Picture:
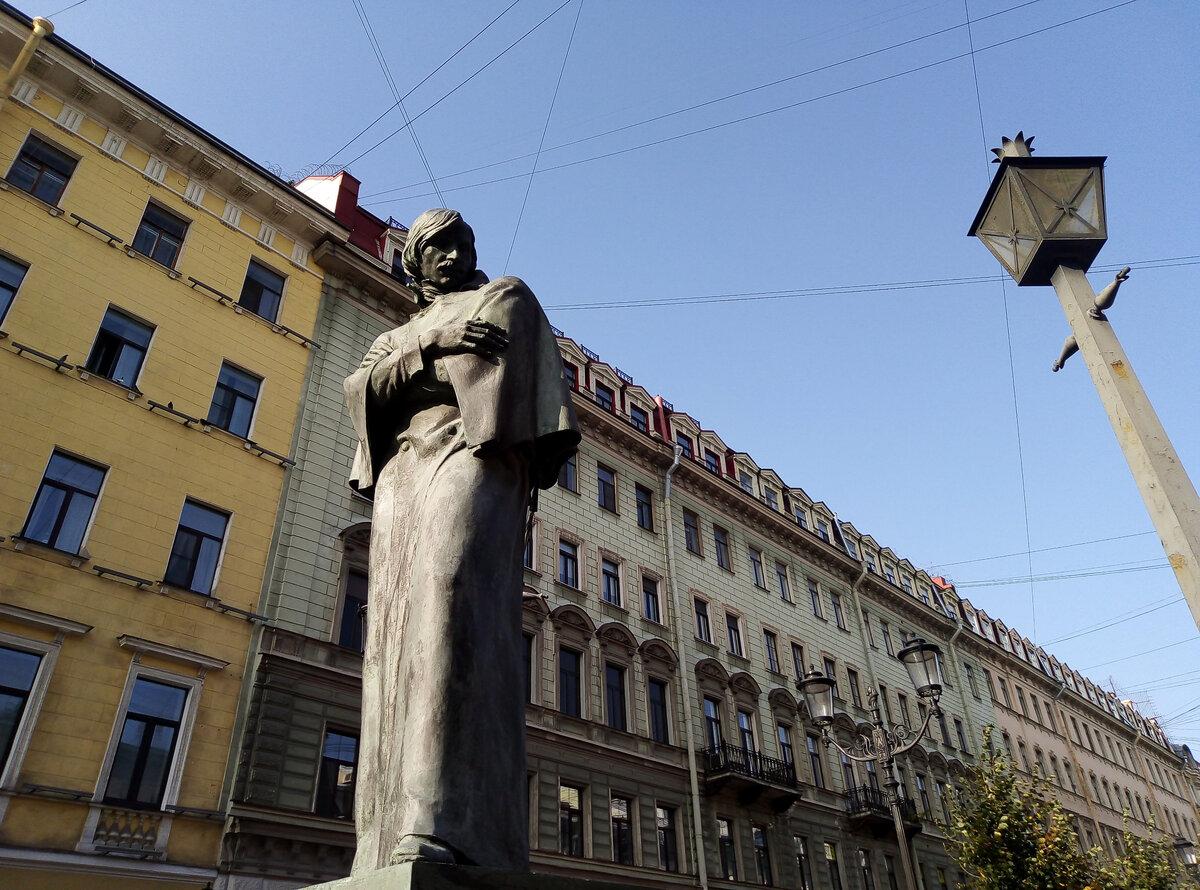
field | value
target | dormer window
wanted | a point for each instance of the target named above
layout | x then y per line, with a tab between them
746	482
572	374
639	418
605	397
685	443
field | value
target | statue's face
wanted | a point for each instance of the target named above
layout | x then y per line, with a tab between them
448	258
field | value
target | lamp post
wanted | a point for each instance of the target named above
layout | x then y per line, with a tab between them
1185	851
1044	220
885	743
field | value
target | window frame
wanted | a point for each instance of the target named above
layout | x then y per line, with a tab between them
576	689
644	502
11	298
216	574
627	837
611	593
733	634
568	473
758	573
145	351
668	837
652	718
344	599
283	280
178	251
703	620
567	563
570	819
616	696
782	578
771	647
64	508
54	148
47	652
652	595
317	793
238	396
691	532
721	546
606	488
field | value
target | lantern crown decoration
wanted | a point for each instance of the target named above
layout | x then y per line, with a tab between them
1042	213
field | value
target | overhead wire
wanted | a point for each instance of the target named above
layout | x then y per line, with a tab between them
464	82
1156	606
1156	649
542	141
1063	576
387	74
66	8
735	95
755	116
391	107
963	562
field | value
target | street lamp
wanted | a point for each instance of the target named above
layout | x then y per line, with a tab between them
885	743
1044	220
1185	850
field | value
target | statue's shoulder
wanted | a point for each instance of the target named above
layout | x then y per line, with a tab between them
508	282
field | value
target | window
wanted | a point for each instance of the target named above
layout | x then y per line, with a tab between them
656	704
712	462
889	573
160	235
197	548
120	348
838	617
721	544
605	397
745	482
335	776
872	775
855	692
941	719
650	604
889	868
864	866
803	866
746	732
18	670
42	170
65	501
784	734
568	563
822	530
569	665
771	498
610	581
814	761
712	723
798	660
568	476
772	647
850	548
870	563
12	274
529	560
572	375
733	626
756	568
885	704
866	623
943	803
606	482
1008	701
262	291
570	820
923	793
814	595
971	681
781	578
1021	701
691	531
848	781
962	735
233	400
728	850
941	876
639	418
352	625
762	855
905	714
831	859
645	507
614	696
802	518
622	830
685	443
703	626
831	672
146	747
668	856
530	645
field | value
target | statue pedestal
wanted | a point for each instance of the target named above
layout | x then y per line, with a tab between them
430	876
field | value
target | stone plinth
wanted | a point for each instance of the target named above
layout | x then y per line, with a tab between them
430	876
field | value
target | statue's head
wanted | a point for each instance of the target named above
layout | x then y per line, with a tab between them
439	255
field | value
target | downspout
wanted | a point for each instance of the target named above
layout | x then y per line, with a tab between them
1066	731
41	28
685	686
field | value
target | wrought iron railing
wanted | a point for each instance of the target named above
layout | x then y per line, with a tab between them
731	758
865	799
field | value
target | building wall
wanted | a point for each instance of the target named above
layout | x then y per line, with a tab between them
102	617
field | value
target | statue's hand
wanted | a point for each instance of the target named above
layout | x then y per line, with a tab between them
475	336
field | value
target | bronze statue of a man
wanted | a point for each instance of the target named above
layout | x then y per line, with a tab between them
461	414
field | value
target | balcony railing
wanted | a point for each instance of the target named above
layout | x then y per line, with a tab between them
734	759
866	800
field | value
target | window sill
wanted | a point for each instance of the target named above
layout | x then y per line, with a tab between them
130	392
54	554
739	658
170	271
52	209
708	644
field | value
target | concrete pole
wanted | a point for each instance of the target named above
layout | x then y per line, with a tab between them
1165	487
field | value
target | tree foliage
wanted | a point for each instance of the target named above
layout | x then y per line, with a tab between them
1011	833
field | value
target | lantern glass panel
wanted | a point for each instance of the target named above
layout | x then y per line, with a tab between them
1064	199
1009	229
818	697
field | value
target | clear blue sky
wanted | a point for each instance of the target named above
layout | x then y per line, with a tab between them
863	164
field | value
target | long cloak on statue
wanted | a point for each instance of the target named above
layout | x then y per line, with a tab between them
451	449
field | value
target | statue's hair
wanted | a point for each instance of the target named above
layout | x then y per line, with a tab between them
423	228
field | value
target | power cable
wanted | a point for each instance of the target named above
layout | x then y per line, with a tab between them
1063	576
463	83
770	111
387	74
388	110
963	562
668	114
1156	649
542	141
1158	605
65	9
841	290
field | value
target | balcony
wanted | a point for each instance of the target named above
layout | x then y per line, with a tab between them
750	775
868	809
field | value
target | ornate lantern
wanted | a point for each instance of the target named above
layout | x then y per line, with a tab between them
818	696
924	663
1042	213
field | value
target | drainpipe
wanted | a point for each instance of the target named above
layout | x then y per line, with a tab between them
1066	731
685	686
41	28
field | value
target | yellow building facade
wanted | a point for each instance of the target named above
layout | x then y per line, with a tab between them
157	299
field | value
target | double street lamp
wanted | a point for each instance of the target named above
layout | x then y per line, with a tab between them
885	742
